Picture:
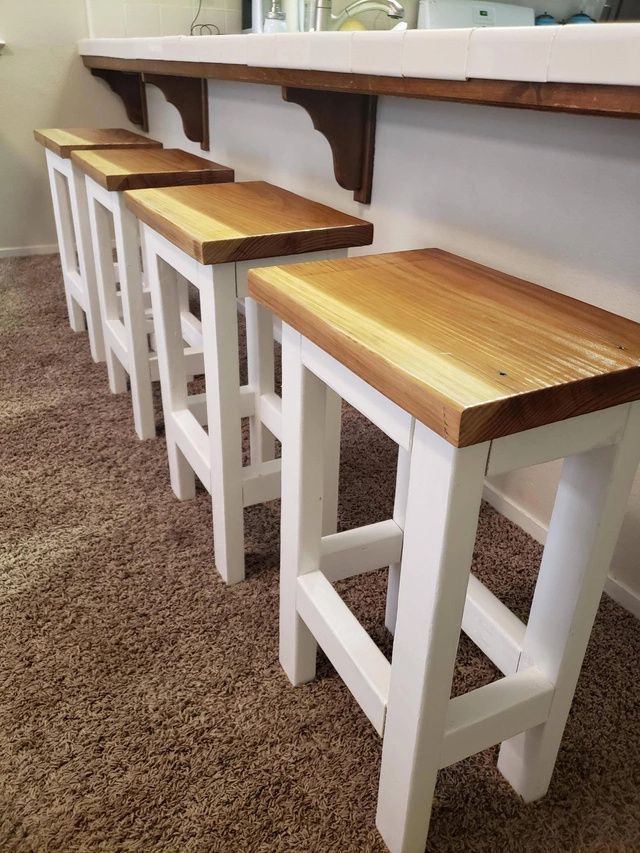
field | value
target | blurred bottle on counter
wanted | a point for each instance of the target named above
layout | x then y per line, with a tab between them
275	21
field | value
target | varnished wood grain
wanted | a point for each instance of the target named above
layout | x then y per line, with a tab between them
232	222
64	140
581	98
473	353
131	169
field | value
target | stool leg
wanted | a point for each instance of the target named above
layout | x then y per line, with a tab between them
304	404
99	218
191	326
399	513
128	249
331	477
222	377
78	196
66	243
171	364
260	369
585	524
445	489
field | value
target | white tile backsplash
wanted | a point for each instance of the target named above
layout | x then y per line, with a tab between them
140	18
106	19
143	19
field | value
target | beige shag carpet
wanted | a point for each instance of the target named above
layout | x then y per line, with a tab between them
142	706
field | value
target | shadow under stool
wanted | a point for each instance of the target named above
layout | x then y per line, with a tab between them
472	373
69	199
127	320
211	236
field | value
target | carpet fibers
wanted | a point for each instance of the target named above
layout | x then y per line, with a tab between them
142	706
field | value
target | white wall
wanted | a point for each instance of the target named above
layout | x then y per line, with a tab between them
42	84
549	197
120	18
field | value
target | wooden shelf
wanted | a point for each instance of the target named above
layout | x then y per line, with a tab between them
617	101
335	100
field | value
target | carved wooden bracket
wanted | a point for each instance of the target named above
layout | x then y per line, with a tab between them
129	87
189	95
348	122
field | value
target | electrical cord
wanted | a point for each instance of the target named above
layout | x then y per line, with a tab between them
202	29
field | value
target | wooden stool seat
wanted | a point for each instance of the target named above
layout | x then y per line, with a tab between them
62	141
244	221
472	353
133	169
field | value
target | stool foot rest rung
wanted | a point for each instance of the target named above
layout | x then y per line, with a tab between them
357	659
193	361
271	413
115	336
360	550
491	714
261	482
198	403
75	286
193	441
475	721
494	629
191	329
198	407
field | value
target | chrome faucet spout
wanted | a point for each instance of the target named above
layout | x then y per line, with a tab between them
325	20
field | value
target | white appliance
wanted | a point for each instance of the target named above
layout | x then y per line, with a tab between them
450	14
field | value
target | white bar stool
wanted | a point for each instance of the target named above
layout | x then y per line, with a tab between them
211	236
72	219
127	323
472	373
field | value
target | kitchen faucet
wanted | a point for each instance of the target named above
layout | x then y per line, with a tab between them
326	20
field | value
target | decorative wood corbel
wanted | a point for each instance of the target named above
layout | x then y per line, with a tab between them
130	89
189	95
348	122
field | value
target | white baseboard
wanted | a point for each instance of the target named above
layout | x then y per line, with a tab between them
516	513
624	595
617	589
28	251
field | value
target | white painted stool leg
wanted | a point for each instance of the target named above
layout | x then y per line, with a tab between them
260	370
399	514
587	515
171	364
128	250
331	477
79	208
445	489
222	376
100	220
303	443
66	243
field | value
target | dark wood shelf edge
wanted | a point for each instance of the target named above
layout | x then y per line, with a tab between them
579	98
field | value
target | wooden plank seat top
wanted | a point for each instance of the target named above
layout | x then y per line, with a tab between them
219	223
62	141
134	169
473	353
